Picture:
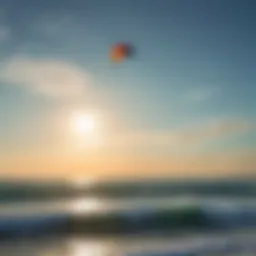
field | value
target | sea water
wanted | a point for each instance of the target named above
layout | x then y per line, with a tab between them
228	226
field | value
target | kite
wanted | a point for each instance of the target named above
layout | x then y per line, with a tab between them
120	52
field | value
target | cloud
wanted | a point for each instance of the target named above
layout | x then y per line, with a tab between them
182	138
51	78
121	158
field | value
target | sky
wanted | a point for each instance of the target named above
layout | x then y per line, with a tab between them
182	106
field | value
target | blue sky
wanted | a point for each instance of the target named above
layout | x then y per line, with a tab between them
194	67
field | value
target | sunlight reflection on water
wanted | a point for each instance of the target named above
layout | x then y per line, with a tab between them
90	205
81	248
117	246
81	206
120	246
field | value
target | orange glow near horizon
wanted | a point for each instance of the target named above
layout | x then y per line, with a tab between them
103	166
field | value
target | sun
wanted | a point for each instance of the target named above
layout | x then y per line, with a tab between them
85	129
83	123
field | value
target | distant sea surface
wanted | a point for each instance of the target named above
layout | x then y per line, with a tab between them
128	218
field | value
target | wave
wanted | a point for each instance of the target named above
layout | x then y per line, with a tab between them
141	220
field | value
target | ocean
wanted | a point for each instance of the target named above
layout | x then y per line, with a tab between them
190	218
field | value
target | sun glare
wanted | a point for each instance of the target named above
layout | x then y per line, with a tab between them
85	130
83	123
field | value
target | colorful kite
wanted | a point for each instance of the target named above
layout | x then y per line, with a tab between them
120	51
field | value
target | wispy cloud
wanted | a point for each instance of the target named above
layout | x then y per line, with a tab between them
182	138
117	160
51	78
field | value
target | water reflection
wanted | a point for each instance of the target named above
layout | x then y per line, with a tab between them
82	206
221	244
88	205
118	246
83	247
